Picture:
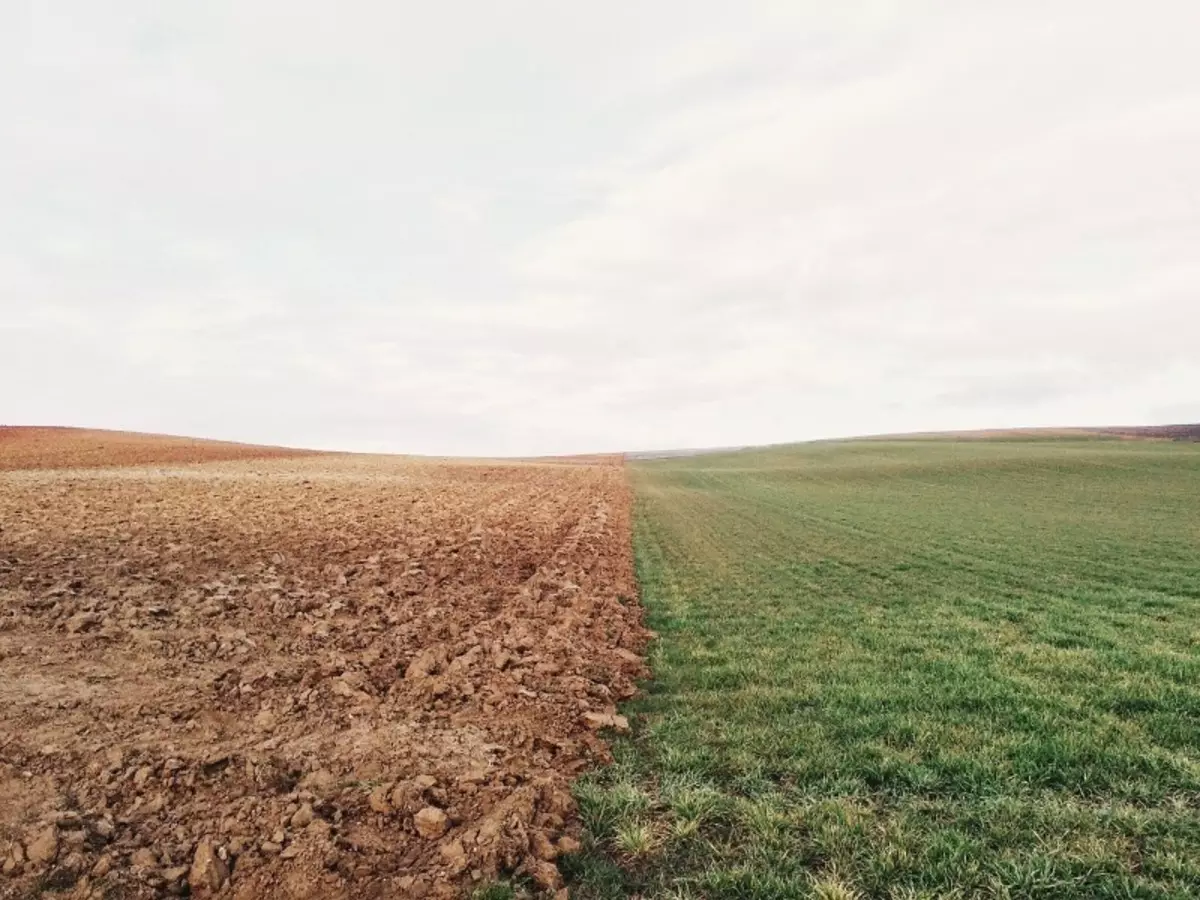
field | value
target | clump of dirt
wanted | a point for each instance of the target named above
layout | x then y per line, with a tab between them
81	448
329	676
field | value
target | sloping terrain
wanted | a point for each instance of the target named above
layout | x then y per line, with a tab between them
912	669
82	448
325	676
1128	432
1156	432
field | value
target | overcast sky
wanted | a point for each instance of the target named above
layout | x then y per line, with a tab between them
535	227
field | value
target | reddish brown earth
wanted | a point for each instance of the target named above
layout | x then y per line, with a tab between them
81	448
313	677
1156	432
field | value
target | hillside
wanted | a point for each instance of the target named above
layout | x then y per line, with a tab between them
1118	432
29	447
902	669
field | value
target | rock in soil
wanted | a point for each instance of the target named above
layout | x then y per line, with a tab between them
208	872
431	822
43	848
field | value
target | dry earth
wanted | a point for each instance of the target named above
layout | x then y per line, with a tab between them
1156	432
80	448
324	676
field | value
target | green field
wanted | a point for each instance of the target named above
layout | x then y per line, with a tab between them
912	669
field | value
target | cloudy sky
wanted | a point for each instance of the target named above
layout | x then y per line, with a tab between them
534	227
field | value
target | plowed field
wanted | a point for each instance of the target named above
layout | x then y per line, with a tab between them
81	448
324	676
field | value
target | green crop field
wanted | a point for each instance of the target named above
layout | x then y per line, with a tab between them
912	669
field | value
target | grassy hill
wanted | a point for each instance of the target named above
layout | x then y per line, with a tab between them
913	669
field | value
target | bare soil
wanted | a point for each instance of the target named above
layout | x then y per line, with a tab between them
1156	432
322	676
82	448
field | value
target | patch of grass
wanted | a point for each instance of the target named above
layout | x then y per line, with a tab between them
608	807
635	839
519	889
495	891
912	669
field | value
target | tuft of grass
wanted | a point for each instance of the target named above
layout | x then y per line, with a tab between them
608	806
832	888
912	669
635	839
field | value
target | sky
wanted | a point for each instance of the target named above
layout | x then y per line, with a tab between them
543	227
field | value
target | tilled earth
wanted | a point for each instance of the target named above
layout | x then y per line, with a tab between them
81	448
322	676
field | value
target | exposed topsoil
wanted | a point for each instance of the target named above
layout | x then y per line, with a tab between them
1156	432
327	676
81	448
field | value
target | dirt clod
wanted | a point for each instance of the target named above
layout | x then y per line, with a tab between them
596	721
208	871
43	848
546	875
431	822
542	847
303	816
143	858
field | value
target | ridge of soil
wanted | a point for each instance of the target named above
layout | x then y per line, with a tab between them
35	447
1155	432
322	676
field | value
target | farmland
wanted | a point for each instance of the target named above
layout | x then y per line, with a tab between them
81	448
274	674
883	669
902	669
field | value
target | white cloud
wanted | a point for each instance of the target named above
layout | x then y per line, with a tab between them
530	228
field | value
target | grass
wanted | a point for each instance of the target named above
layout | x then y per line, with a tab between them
912	670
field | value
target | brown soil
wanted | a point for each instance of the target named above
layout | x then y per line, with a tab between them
81	448
326	676
1156	432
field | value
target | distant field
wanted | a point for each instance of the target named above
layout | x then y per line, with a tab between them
84	448
1125	432
913	669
